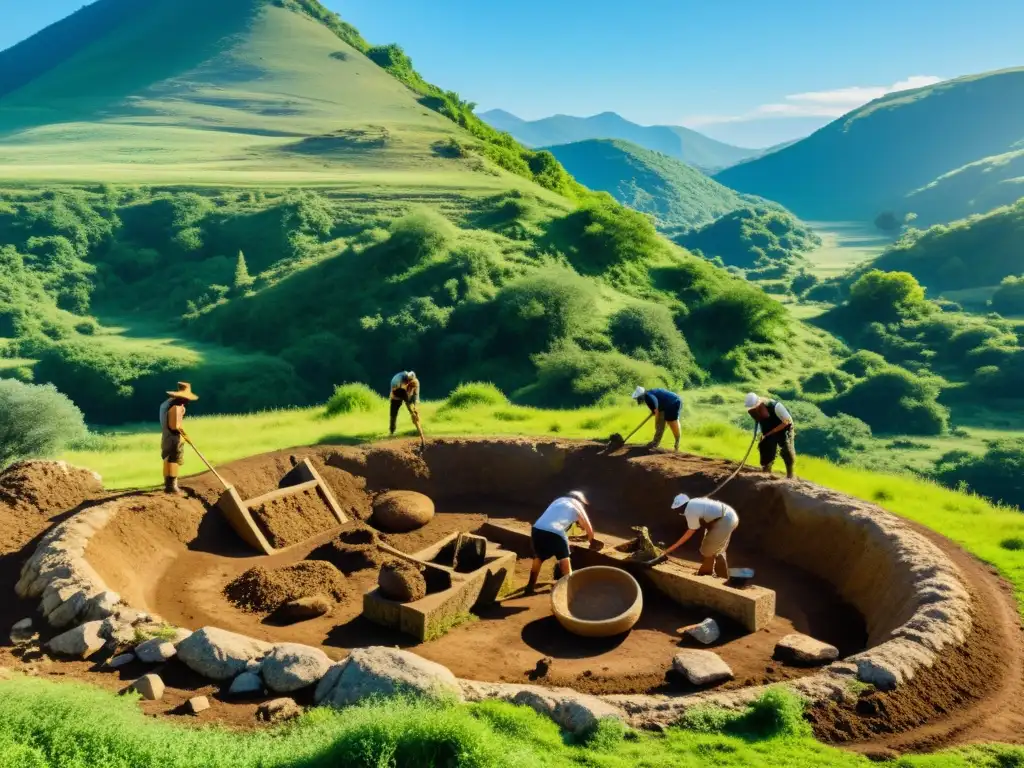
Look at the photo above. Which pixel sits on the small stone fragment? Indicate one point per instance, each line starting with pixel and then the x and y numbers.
pixel 705 633
pixel 22 632
pixel 278 711
pixel 150 687
pixel 246 684
pixel 802 649
pixel 197 704
pixel 702 667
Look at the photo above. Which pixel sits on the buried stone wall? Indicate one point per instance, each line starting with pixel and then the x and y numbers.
pixel 912 597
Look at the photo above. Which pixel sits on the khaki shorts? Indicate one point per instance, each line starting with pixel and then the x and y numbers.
pixel 716 538
pixel 172 449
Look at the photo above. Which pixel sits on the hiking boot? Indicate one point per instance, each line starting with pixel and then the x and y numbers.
pixel 171 486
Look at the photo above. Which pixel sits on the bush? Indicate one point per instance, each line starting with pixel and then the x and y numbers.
pixel 532 313
pixel 353 398
pixel 827 382
pixel 775 713
pixel 834 438
pixel 997 475
pixel 886 297
pixel 893 400
pixel 35 421
pixel 415 238
pixel 602 234
pixel 863 363
pixel 475 393
pixel 648 332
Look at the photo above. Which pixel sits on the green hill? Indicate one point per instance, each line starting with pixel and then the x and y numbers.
pixel 674 193
pixel 150 229
pixel 681 143
pixel 876 157
pixel 975 188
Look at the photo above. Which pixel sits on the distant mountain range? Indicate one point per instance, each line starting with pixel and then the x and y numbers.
pixel 675 141
pixel 944 151
pixel 675 194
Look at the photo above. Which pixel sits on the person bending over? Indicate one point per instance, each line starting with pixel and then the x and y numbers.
pixel 718 520
pixel 666 407
pixel 550 538
pixel 405 388
pixel 776 432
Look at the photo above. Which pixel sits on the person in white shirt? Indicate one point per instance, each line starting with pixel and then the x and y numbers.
pixel 776 431
pixel 550 537
pixel 718 520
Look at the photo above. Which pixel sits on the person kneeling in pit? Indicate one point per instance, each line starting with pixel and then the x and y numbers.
pixel 718 521
pixel 550 537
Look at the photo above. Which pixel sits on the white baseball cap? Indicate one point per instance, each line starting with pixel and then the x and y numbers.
pixel 679 500
pixel 639 392
pixel 579 496
pixel 751 400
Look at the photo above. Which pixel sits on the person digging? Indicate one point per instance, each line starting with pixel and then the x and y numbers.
pixel 405 388
pixel 173 437
pixel 718 520
pixel 550 538
pixel 665 406
pixel 776 427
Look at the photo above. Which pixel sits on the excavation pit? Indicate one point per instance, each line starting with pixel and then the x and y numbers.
pixel 174 557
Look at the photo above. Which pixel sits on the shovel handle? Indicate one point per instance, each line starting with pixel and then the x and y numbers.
pixel 207 463
pixel 649 417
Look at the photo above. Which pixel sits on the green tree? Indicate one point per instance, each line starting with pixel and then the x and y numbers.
pixel 998 474
pixel 243 281
pixel 35 421
pixel 886 296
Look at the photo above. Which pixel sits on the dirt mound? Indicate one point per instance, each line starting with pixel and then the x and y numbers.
pixel 354 550
pixel 402 581
pixel 47 486
pixel 293 519
pixel 402 511
pixel 260 590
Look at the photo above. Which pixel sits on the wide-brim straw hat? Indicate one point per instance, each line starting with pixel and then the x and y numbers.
pixel 184 392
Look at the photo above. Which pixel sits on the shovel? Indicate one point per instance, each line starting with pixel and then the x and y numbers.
pixel 617 440
pixel 208 464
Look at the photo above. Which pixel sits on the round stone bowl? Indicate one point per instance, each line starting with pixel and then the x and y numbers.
pixel 600 601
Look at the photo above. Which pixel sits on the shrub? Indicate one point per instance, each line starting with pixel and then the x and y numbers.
pixel 35 421
pixel 893 400
pixel 827 382
pixel 475 393
pixel 804 282
pixel 775 713
pixel 534 312
pixel 863 363
pixel 998 474
pixel 829 438
pixel 648 332
pixel 886 296
pixel 414 239
pixel 352 398
pixel 602 234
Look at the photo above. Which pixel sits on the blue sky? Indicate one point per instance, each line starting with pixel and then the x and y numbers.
pixel 753 72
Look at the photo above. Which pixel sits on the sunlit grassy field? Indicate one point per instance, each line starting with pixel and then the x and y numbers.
pixel 844 245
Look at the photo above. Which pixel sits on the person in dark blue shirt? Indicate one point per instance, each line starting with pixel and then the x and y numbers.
pixel 666 407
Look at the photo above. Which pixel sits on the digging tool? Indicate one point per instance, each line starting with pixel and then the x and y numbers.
pixel 736 471
pixel 618 440
pixel 209 466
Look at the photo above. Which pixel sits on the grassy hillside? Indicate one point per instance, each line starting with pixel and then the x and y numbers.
pixel 674 193
pixel 876 156
pixel 681 143
pixel 975 188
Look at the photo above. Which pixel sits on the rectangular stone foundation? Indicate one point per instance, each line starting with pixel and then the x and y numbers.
pixel 430 617
pixel 752 607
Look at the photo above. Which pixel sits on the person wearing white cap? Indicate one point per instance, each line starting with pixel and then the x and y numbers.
pixel 776 427
pixel 718 520
pixel 405 388
pixel 549 535
pixel 665 407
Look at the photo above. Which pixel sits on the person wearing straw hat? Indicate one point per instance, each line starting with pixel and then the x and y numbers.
pixel 550 534
pixel 776 427
pixel 666 407
pixel 718 520
pixel 405 388
pixel 172 442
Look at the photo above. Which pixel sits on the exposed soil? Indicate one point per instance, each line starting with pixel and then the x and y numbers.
pixel 262 591
pixel 402 581
pixel 293 519
pixel 175 557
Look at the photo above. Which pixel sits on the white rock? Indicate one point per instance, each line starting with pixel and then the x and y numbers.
pixel 198 704
pixel 577 713
pixel 101 606
pixel 278 711
pixel 154 651
pixel 380 671
pixel 179 635
pixel 292 667
pixel 701 667
pixel 329 682
pixel 246 684
pixel 805 650
pixel 122 660
pixel 706 632
pixel 218 654
pixel 150 687
pixel 80 642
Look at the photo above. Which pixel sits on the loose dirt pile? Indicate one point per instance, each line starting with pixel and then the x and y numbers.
pixel 47 486
pixel 354 550
pixel 402 581
pixel 293 519
pixel 260 590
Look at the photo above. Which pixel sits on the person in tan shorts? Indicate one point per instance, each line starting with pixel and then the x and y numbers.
pixel 718 520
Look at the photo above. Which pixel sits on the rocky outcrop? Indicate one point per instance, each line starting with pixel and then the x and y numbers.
pixel 291 667
pixel 379 671
pixel 219 654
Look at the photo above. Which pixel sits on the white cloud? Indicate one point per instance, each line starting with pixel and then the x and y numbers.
pixel 831 104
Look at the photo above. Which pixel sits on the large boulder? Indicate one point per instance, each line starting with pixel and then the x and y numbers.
pixel 402 511
pixel 379 671
pixel 292 667
pixel 80 642
pixel 219 654
pixel 402 581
